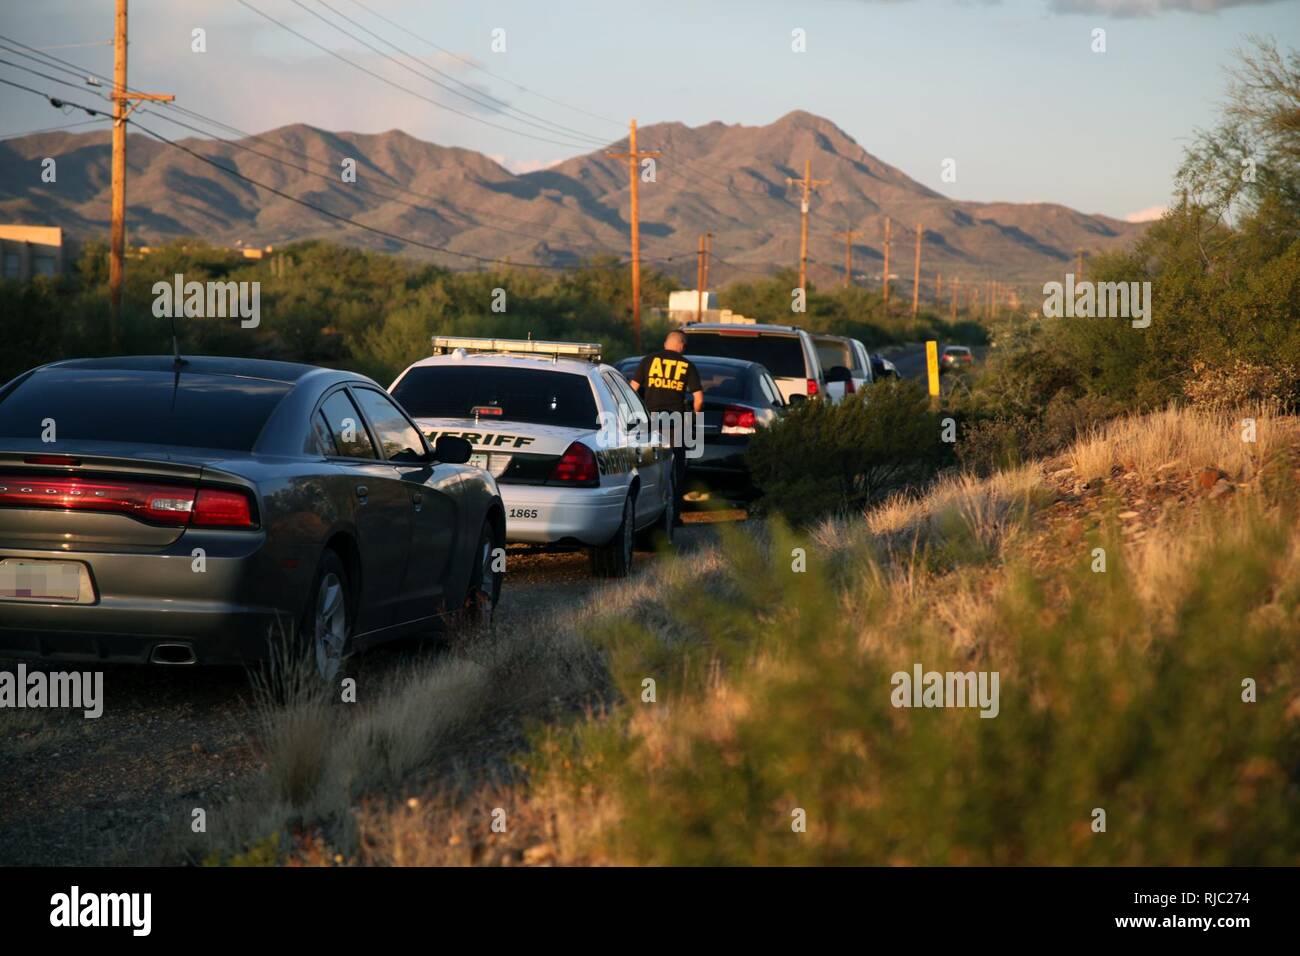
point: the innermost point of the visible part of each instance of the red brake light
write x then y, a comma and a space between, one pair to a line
162, 504
812, 387
737, 421
849, 387
221, 509
577, 466
156, 503
52, 460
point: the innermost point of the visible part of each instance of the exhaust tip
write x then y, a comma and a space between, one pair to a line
172, 654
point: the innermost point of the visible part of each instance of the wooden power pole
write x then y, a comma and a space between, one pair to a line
848, 235
808, 184
886, 289
916, 271
699, 279
1078, 277
634, 157
124, 102
954, 284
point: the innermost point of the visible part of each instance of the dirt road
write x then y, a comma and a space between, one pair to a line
96, 791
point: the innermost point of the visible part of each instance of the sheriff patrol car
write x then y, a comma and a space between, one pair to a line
564, 435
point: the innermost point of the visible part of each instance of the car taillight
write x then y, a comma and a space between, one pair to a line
577, 466
849, 387
221, 509
155, 503
737, 421
812, 387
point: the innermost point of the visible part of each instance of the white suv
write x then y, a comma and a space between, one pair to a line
788, 352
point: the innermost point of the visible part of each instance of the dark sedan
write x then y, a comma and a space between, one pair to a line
740, 397
190, 511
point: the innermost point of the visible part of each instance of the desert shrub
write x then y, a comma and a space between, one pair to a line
1101, 705
823, 458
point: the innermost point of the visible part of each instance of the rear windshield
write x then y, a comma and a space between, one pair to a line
140, 407
782, 354
723, 381
831, 354
538, 396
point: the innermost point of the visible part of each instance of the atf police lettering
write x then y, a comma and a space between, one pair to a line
667, 373
666, 378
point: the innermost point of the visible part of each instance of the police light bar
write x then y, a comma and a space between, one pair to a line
443, 344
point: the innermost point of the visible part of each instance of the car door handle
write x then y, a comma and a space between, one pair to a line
362, 491
416, 498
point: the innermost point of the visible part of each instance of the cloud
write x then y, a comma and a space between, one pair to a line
1149, 214
1148, 8
521, 166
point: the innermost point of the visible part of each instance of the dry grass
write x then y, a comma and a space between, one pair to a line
1178, 437
324, 760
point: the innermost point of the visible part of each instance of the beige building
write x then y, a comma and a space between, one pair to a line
28, 251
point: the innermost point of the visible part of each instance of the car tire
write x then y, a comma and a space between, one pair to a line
327, 621
484, 590
661, 532
614, 559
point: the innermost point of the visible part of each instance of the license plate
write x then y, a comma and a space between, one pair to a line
495, 463
65, 582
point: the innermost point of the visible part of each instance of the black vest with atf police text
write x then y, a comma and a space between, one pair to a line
667, 380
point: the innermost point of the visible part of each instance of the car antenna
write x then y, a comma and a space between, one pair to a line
177, 363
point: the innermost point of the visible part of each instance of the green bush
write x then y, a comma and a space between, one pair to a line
823, 458
1102, 704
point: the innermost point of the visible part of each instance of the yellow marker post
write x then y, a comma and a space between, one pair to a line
932, 370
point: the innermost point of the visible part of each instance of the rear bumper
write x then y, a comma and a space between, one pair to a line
225, 613
536, 514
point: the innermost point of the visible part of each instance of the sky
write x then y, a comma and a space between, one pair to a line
1014, 91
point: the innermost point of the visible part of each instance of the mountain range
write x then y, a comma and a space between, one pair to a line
730, 180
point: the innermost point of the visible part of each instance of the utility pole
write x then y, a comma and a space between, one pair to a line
634, 157
887, 230
708, 251
699, 279
1079, 271
916, 271
954, 284
808, 184
938, 288
848, 235
124, 102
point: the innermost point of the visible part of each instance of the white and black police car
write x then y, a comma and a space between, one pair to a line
564, 435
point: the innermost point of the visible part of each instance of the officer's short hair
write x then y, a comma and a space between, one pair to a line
675, 334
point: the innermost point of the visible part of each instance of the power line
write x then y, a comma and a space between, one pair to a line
570, 236
54, 129
482, 69
501, 104
399, 86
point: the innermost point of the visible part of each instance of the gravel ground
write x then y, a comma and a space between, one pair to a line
76, 791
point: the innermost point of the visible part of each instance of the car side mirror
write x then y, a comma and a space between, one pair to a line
452, 450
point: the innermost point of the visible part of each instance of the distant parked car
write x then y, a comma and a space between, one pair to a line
787, 351
739, 398
955, 357
846, 364
882, 368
